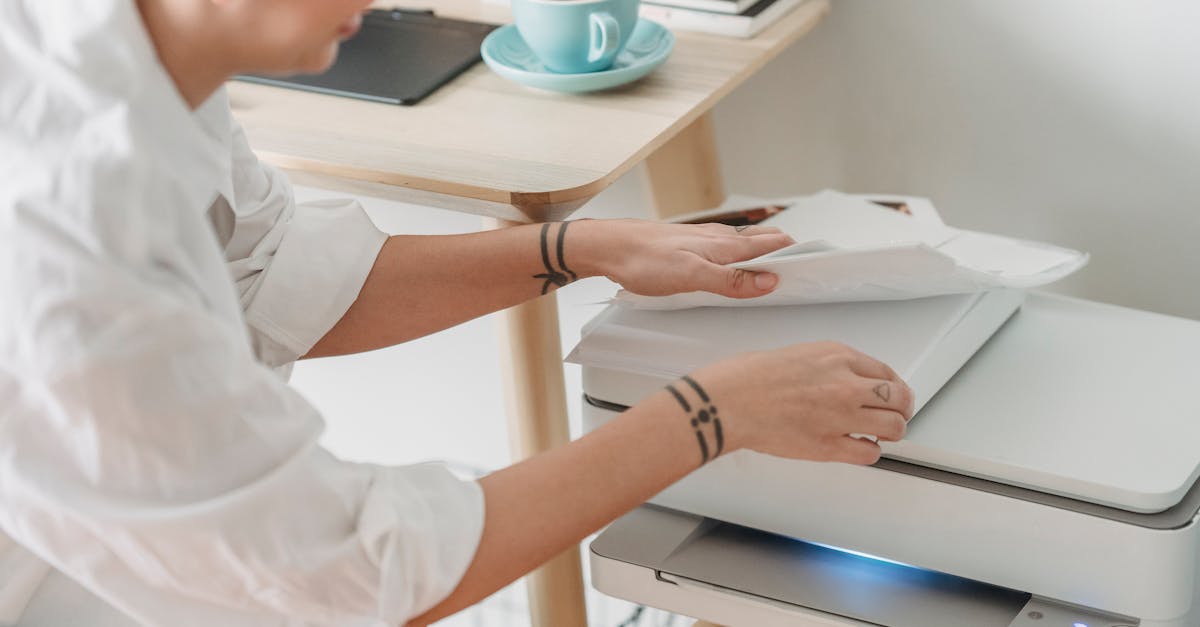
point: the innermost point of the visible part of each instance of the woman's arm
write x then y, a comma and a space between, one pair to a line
800, 402
423, 284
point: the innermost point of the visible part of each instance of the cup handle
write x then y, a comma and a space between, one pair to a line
606, 36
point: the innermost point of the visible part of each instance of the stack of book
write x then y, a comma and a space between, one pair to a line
733, 18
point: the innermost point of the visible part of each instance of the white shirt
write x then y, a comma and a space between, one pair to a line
149, 451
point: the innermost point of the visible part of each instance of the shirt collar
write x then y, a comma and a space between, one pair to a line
87, 72
216, 121
189, 144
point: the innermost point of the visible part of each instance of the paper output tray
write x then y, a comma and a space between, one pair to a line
720, 558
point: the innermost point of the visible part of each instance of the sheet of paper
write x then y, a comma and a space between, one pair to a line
849, 250
852, 222
1005, 256
673, 344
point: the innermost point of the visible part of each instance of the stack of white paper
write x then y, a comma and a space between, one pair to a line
849, 249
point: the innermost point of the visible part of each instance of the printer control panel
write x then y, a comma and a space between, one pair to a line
1047, 613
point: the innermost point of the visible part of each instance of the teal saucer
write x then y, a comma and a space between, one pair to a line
507, 54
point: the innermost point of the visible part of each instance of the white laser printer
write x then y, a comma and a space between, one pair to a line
1051, 482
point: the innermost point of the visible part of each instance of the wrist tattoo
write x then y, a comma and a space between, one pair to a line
704, 418
554, 277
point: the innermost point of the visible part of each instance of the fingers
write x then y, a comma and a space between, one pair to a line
729, 244
716, 228
867, 366
740, 248
894, 396
884, 424
754, 229
737, 283
883, 387
856, 451
726, 245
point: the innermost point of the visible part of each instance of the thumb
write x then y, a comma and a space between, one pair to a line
737, 283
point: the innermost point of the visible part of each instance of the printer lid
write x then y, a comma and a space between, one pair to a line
1078, 399
918, 337
1081, 399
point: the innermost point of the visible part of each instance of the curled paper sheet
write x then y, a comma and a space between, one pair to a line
850, 249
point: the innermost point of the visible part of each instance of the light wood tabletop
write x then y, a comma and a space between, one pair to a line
484, 145
497, 148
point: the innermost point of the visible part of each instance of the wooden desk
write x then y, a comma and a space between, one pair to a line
484, 145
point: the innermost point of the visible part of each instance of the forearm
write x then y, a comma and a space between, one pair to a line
803, 401
539, 507
423, 284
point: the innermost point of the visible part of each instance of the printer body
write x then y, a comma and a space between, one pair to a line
1048, 477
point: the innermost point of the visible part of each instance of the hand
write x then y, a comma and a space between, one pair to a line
805, 400
655, 259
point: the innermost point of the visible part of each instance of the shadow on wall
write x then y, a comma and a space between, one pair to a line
1076, 122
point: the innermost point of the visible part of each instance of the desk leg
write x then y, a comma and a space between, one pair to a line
531, 354
685, 174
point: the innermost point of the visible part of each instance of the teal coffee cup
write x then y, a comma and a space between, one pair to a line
575, 36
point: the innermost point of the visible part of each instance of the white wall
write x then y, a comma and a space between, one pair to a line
1072, 121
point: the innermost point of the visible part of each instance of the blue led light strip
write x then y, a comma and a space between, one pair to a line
874, 558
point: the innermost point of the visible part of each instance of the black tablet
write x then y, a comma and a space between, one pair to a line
398, 57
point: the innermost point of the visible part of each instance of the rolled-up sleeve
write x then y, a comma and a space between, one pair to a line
297, 267
154, 459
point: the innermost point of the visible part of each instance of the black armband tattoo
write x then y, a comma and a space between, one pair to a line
554, 277
705, 417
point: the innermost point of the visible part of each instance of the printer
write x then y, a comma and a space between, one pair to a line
1048, 478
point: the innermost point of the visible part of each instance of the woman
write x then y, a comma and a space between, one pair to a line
155, 279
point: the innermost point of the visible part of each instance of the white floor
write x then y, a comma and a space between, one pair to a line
439, 398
